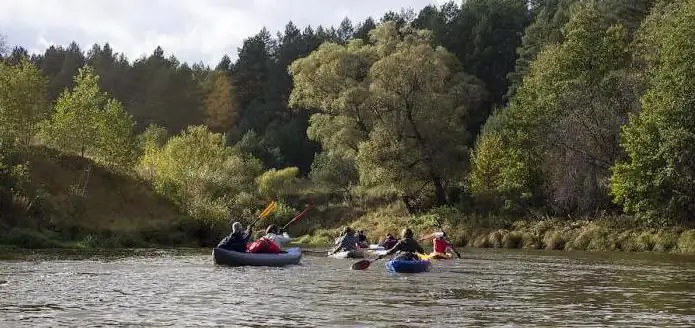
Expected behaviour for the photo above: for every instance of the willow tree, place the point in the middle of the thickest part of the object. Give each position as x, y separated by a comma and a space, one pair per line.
397, 105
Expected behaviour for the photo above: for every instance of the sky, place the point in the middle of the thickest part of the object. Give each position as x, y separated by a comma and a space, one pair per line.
193, 30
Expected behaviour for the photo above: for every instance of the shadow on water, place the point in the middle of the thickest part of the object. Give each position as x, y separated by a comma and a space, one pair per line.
487, 287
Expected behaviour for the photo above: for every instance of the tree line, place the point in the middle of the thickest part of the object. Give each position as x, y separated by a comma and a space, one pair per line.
504, 108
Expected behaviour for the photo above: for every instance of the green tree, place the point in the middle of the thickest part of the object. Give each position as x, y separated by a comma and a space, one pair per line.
23, 103
154, 137
559, 136
200, 173
546, 29
656, 180
88, 122
116, 143
220, 104
333, 171
73, 127
273, 184
396, 105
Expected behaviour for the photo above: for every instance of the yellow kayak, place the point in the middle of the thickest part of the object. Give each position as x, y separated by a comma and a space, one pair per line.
435, 256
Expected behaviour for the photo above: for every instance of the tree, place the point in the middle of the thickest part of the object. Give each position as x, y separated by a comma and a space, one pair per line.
18, 55
23, 103
88, 122
397, 106
116, 143
198, 171
656, 180
273, 183
559, 136
220, 104
73, 125
549, 17
154, 137
485, 35
333, 171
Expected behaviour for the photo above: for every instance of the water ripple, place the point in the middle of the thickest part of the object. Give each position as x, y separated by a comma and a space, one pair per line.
486, 288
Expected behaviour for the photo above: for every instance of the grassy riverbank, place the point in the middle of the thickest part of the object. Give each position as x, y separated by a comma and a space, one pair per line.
72, 202
602, 234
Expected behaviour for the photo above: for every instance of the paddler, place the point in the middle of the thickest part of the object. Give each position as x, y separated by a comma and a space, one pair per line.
441, 244
237, 240
280, 239
389, 241
407, 247
348, 241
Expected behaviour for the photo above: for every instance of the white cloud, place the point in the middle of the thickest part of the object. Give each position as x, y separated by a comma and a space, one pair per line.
200, 30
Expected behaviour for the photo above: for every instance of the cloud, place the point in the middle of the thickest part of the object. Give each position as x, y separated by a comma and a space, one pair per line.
202, 30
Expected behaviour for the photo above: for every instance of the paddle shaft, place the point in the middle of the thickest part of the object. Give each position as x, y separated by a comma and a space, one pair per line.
299, 216
264, 213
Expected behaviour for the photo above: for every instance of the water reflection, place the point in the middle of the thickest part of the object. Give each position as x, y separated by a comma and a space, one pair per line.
517, 288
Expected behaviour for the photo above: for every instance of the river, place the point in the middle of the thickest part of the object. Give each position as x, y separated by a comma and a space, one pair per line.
486, 288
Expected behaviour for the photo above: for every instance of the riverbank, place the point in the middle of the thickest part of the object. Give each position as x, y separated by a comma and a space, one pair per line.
603, 234
67, 201
75, 203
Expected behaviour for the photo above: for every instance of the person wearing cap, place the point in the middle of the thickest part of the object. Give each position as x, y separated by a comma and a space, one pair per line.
237, 240
407, 247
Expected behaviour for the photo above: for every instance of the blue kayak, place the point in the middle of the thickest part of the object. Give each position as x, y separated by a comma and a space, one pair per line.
403, 266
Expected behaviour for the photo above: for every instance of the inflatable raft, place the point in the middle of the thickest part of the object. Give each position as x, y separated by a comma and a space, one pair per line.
232, 258
358, 254
408, 266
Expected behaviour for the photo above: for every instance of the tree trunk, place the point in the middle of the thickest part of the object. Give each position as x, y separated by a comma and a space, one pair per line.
439, 190
408, 205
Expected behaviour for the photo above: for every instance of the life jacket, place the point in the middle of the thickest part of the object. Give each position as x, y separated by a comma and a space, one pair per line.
440, 245
264, 245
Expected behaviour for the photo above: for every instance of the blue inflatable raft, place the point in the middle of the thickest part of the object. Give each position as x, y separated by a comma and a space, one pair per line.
402, 266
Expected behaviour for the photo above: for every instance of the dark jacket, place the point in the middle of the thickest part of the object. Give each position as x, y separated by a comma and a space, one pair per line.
389, 242
346, 243
406, 245
236, 241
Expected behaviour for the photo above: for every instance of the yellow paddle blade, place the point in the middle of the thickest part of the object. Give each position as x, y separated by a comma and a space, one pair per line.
268, 209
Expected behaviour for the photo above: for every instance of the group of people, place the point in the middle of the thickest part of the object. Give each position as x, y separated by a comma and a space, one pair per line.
407, 247
271, 242
349, 240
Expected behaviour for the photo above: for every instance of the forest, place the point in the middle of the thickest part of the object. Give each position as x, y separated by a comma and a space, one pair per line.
560, 124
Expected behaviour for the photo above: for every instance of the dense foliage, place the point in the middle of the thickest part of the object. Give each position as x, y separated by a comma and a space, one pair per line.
490, 109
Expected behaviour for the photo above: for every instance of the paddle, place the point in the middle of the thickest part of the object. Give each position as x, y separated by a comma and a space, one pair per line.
299, 216
363, 264
265, 212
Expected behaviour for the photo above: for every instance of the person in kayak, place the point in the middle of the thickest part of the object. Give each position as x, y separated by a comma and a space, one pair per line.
362, 239
270, 243
407, 247
389, 241
237, 240
280, 239
348, 241
441, 244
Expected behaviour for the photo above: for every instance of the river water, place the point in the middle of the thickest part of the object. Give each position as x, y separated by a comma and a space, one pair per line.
486, 288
